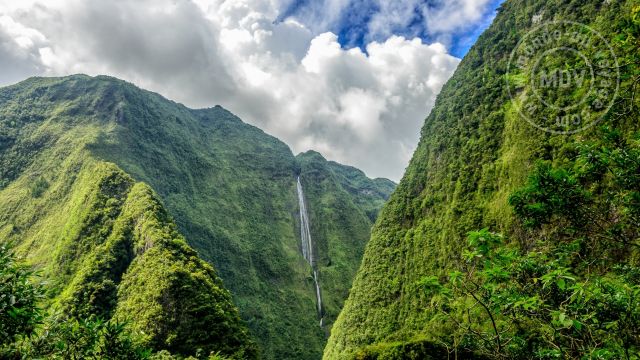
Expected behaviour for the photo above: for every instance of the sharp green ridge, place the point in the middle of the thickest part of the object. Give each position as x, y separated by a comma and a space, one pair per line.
120, 255
475, 152
79, 158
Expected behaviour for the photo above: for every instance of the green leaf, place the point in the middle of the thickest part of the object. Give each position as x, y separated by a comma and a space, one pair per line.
577, 325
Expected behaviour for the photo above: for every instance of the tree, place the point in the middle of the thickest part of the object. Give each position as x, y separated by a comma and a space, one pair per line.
19, 297
24, 332
569, 286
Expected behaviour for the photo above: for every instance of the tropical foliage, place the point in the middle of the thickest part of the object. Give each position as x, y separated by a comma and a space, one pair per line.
19, 297
103, 184
554, 272
26, 333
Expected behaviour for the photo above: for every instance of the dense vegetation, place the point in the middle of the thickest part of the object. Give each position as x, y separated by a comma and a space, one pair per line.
29, 332
24, 336
19, 296
504, 241
574, 292
125, 261
76, 153
343, 204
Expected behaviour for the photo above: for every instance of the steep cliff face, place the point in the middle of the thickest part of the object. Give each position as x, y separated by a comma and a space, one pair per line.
476, 151
229, 187
110, 250
343, 204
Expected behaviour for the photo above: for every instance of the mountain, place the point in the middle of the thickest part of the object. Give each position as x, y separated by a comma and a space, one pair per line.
508, 237
343, 204
109, 248
124, 200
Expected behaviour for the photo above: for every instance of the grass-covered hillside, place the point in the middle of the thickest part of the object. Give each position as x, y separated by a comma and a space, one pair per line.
109, 250
503, 240
229, 187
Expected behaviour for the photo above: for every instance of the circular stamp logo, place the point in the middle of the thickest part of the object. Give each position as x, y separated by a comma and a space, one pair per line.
563, 77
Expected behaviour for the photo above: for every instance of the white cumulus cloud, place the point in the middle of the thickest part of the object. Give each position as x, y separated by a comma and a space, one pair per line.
360, 108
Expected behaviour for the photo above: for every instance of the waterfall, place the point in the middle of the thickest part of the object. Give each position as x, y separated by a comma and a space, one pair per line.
307, 247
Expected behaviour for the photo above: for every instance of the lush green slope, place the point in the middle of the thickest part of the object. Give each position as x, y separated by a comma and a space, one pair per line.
111, 250
475, 152
342, 204
230, 187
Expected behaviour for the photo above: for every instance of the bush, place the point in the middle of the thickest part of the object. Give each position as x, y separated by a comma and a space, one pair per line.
64, 338
38, 187
25, 334
569, 289
19, 296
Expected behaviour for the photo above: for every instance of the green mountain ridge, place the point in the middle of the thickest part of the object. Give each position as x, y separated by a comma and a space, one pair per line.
480, 165
229, 187
121, 257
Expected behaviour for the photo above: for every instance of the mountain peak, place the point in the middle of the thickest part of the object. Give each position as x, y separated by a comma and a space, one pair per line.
225, 188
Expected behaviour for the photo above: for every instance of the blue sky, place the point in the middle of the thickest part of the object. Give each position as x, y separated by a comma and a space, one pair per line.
352, 23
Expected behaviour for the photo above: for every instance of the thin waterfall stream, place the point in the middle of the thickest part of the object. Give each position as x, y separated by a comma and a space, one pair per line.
307, 247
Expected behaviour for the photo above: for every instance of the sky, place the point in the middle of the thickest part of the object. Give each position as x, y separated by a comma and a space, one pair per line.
352, 79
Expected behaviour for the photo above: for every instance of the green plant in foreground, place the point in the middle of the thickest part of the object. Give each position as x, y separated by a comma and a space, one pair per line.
574, 295
508, 304
64, 338
19, 296
25, 334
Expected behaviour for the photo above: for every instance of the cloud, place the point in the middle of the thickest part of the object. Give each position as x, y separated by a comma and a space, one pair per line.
363, 21
20, 50
362, 108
